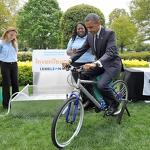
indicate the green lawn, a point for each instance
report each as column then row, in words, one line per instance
column 32, row 132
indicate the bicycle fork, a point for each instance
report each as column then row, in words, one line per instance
column 75, row 109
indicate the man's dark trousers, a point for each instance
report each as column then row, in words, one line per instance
column 102, row 84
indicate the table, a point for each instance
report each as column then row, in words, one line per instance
column 134, row 79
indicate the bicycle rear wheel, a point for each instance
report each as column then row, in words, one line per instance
column 67, row 123
column 121, row 92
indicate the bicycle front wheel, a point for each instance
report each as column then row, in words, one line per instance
column 67, row 123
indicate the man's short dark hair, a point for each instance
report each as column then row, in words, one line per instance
column 92, row 17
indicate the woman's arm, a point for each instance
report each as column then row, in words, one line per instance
column 1, row 46
column 69, row 48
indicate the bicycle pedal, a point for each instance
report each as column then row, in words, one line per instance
column 107, row 113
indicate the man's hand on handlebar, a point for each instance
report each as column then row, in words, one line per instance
column 89, row 66
column 92, row 65
column 66, row 64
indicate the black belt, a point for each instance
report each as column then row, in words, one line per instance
column 9, row 62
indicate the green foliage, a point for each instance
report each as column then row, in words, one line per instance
column 117, row 13
column 5, row 17
column 125, row 31
column 138, row 44
column 74, row 15
column 12, row 5
column 136, row 55
column 135, row 63
column 140, row 12
column 25, row 73
column 38, row 24
column 24, row 56
column 141, row 46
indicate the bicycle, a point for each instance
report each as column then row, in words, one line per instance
column 70, row 116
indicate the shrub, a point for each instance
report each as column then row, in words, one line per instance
column 25, row 69
column 136, row 55
column 135, row 63
column 74, row 15
column 25, row 73
column 27, row 56
column 24, row 56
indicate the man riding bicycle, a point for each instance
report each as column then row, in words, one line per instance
column 107, row 64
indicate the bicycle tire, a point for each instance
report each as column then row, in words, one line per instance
column 59, row 143
column 121, row 85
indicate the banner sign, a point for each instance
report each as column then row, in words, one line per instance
column 48, row 60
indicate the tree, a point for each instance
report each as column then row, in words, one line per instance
column 5, row 17
column 12, row 5
column 38, row 24
column 125, row 31
column 117, row 13
column 140, row 12
column 74, row 15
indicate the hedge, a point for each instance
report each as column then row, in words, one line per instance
column 136, row 55
column 25, row 56
column 135, row 63
column 25, row 69
column 25, row 73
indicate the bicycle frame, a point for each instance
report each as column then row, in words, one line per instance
column 85, row 91
column 72, row 111
column 92, row 98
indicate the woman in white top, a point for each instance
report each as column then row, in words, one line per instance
column 76, row 41
column 9, row 67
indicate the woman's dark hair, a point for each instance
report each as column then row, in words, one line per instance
column 74, row 34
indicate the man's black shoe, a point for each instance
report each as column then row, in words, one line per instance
column 115, row 104
column 113, row 108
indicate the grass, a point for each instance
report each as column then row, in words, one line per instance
column 32, row 132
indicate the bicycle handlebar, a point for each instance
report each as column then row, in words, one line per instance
column 72, row 68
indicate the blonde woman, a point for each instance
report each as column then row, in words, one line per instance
column 9, row 67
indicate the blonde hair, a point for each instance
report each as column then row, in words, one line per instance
column 4, row 36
